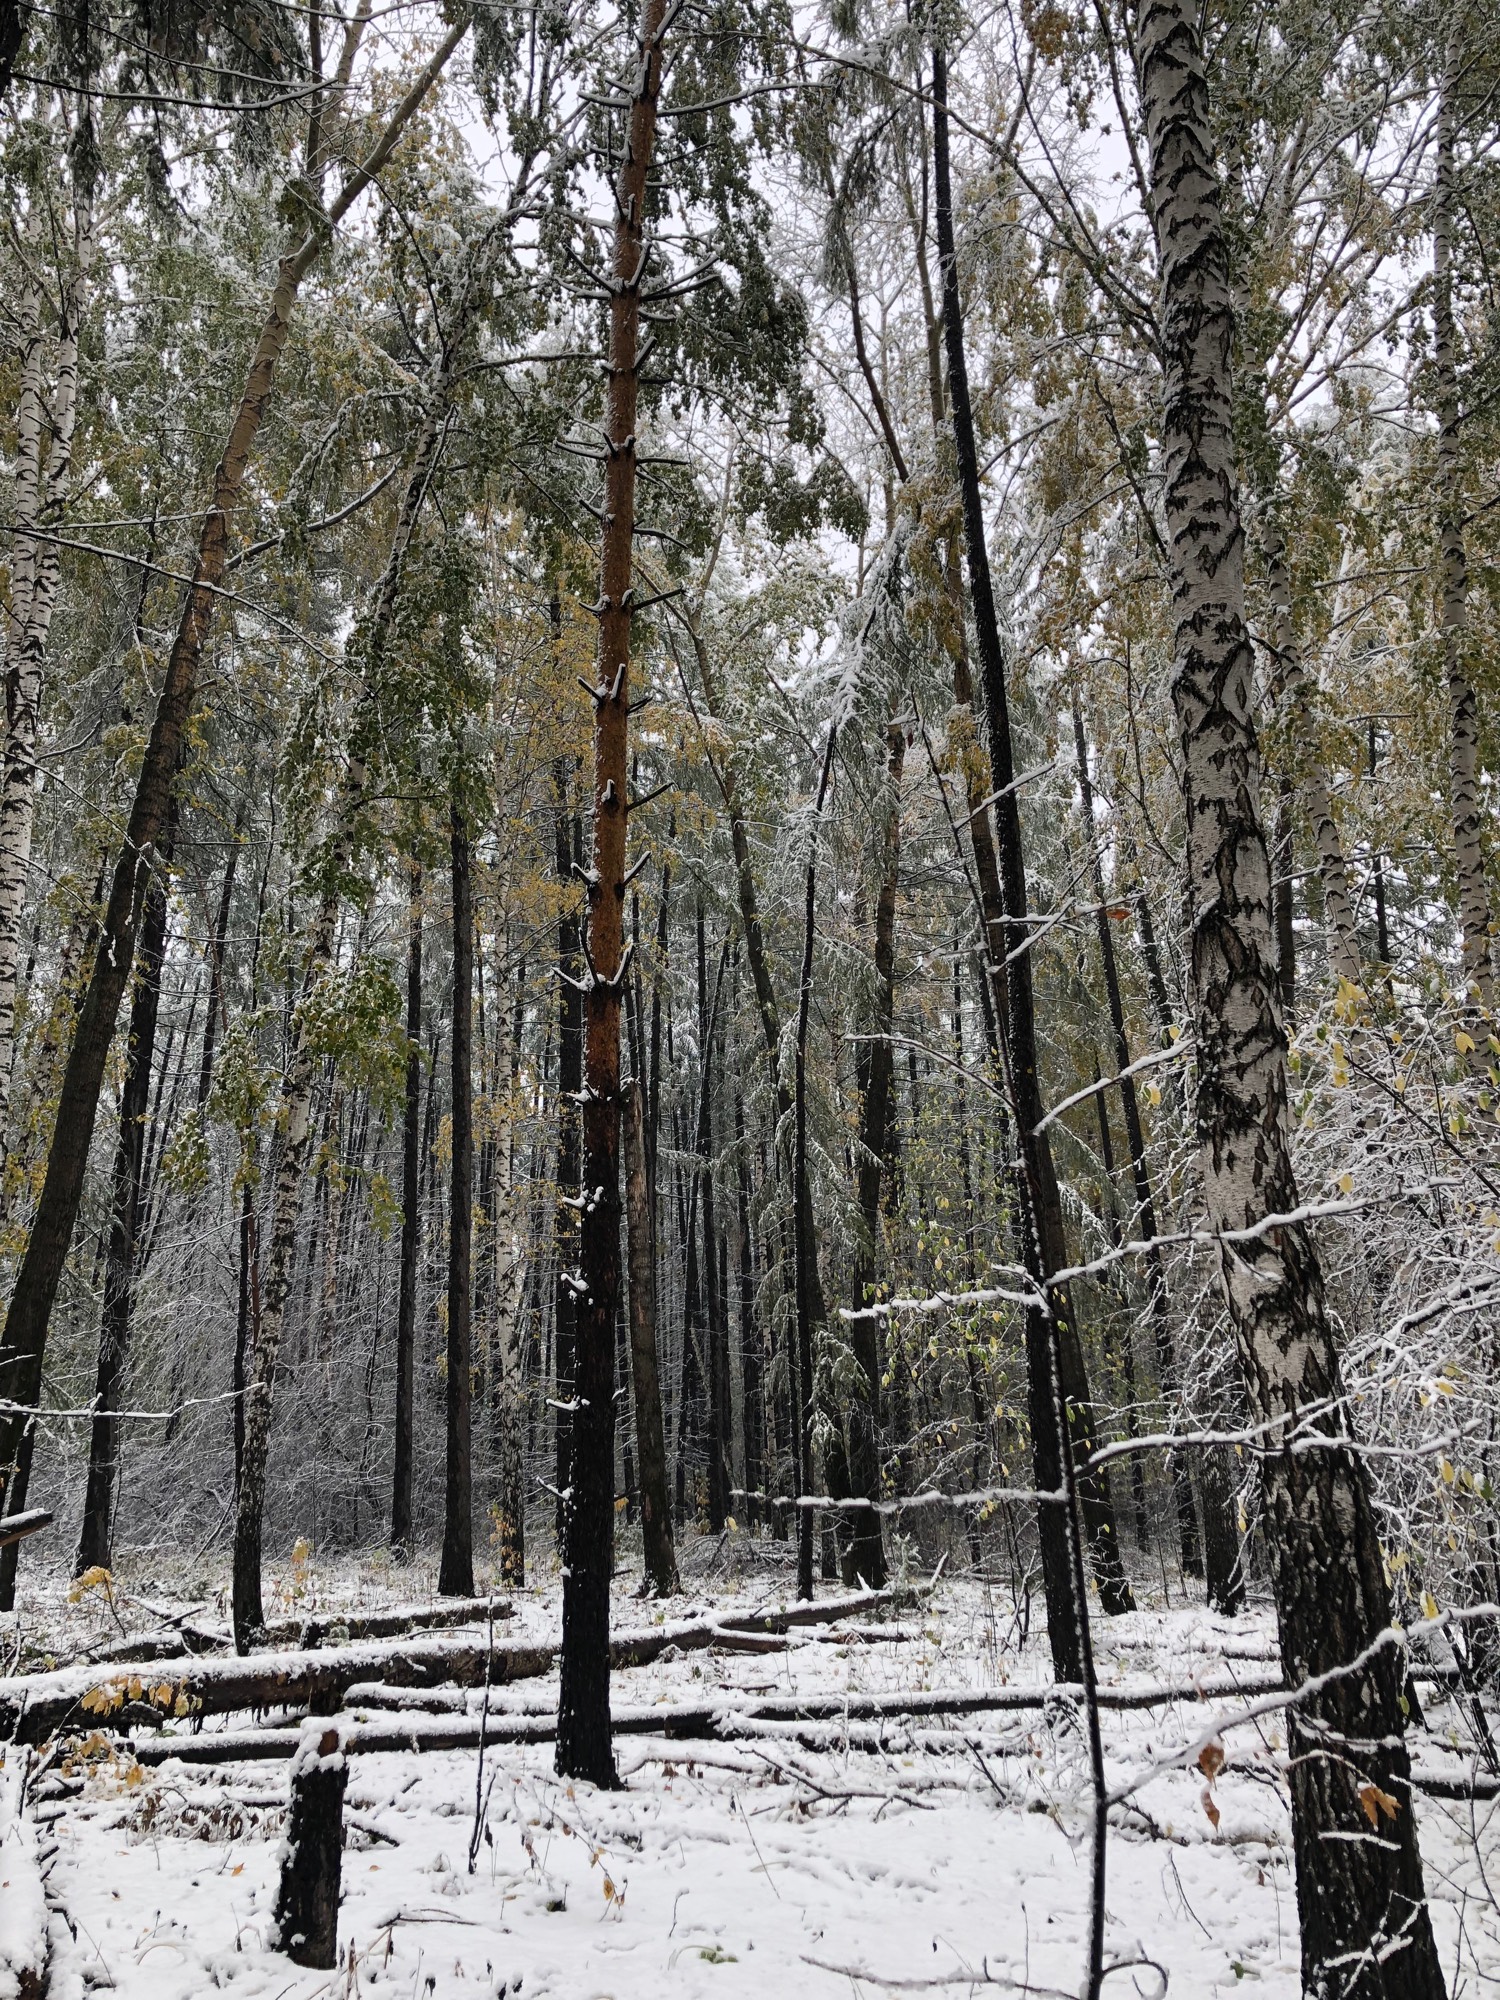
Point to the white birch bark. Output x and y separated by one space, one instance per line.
1361 1902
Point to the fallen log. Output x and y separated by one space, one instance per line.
16 1527
23 1906
308 1633
697 1719
343 1627
36 1706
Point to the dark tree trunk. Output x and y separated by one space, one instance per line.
456 1572
306 1916
411 1231
584 1747
715 1330
864 1547
1365 1930
247 1320
805 1250
214 1019
752 1400
569 1157
1046 1241
95 1542
650 1433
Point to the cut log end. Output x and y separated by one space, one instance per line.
16 1527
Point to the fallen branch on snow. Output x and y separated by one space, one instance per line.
36 1706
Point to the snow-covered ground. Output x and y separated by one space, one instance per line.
785 1860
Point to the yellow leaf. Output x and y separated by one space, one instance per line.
1373 1801
1346 1183
1429 1605
1465 1043
609 1890
1445 1466
161 1695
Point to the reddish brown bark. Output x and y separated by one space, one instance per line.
584 1749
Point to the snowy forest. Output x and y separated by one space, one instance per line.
749 1059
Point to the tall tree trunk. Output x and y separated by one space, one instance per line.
715 1353
752 1378
863 1548
804 1225
1188 1549
213 1019
1364 1922
456 1571
508 1348
411 1230
1046 1241
96 1539
584 1748
1297 691
650 1432
569 1135
1463 746
30 1310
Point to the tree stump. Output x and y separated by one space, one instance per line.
307 1900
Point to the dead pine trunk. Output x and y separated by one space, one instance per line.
584 1747
456 1571
35 1291
411 1228
96 1537
1046 1243
1360 1897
